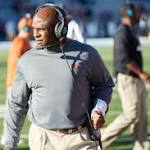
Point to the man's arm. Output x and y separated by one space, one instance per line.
103 84
17 108
134 68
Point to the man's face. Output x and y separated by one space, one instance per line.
43 29
135 19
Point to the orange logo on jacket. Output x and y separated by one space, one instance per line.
75 65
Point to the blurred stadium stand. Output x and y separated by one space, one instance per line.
98 18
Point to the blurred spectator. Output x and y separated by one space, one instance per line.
74 30
10 28
92 29
111 27
2 30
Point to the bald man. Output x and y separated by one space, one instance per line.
57 81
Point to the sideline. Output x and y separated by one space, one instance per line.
5 45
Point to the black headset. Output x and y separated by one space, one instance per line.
129 10
61 28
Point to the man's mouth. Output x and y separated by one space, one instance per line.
40 42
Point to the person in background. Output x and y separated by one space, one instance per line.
19 46
131 79
74 30
10 28
58 81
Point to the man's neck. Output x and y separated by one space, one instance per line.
127 21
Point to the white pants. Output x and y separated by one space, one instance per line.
44 139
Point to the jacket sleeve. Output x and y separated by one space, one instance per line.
16 110
101 79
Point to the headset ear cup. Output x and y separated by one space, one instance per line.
58 29
27 28
129 12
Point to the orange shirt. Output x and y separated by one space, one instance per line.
19 46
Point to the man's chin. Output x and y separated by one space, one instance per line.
40 45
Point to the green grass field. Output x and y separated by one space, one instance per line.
124 142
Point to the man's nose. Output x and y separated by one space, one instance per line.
36 34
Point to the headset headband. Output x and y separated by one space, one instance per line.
61 18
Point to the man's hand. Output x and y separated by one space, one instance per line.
132 66
97 119
145 77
